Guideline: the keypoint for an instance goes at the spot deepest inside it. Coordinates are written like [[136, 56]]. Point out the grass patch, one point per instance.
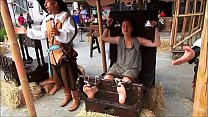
[[2, 34]]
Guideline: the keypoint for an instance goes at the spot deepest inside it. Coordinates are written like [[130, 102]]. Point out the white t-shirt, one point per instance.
[[84, 14], [198, 43]]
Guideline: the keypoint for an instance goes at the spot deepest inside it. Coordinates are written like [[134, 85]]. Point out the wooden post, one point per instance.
[[98, 4], [200, 108], [184, 22], [17, 57], [193, 22], [173, 34]]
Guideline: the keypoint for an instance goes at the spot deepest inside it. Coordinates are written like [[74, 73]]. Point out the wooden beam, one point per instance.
[[101, 32], [200, 108], [184, 23], [194, 20], [199, 24], [186, 38], [188, 15], [17, 57], [174, 24]]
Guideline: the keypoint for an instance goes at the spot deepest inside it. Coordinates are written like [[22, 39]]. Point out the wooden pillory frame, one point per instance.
[[191, 19]]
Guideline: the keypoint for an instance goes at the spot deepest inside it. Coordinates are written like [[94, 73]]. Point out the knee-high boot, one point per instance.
[[67, 97], [76, 101]]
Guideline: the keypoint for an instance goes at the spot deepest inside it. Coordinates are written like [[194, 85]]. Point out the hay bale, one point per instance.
[[4, 49], [10, 94], [13, 97], [147, 113], [154, 100], [165, 45], [35, 90], [83, 113]]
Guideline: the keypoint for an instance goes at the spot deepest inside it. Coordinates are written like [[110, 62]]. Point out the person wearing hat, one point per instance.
[[59, 28]]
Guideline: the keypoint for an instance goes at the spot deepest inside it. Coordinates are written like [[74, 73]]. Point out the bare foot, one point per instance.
[[90, 91], [121, 93]]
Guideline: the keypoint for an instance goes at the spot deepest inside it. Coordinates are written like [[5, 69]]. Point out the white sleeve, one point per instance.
[[198, 43], [67, 31], [37, 34]]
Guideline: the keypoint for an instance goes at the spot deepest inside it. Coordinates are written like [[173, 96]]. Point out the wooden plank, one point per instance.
[[100, 33], [184, 22], [174, 25], [190, 14], [193, 22], [194, 33], [172, 33], [199, 24], [176, 20], [201, 92]]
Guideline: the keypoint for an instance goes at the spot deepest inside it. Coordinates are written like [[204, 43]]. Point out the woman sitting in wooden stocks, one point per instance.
[[129, 61], [59, 27]]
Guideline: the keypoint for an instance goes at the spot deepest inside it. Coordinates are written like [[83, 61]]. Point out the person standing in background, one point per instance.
[[29, 20], [77, 17], [83, 13], [162, 14], [21, 20]]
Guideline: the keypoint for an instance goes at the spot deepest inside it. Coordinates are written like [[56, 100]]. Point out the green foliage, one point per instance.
[[2, 34]]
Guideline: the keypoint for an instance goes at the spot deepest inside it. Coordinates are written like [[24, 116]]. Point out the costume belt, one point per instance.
[[51, 48]]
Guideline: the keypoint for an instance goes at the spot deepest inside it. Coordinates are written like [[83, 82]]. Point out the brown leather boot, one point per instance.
[[75, 102], [67, 98]]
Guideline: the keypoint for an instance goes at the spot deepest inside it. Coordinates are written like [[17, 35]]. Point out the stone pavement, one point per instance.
[[176, 81]]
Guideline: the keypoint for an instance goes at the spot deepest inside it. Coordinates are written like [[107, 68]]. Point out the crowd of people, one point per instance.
[[25, 22]]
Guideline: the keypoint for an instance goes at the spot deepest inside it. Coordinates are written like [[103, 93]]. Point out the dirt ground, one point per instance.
[[176, 82]]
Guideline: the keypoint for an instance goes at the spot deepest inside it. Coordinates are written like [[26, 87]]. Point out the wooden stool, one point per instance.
[[94, 41]]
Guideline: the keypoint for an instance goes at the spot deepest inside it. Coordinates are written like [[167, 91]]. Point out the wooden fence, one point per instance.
[[187, 23]]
